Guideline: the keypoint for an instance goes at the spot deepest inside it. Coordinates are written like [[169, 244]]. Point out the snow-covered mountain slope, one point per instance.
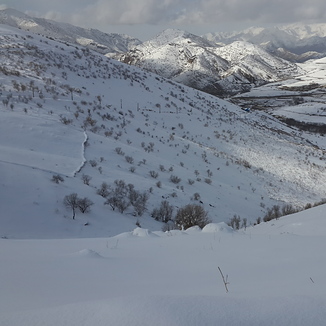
[[298, 42], [218, 70], [79, 118], [91, 38], [275, 275]]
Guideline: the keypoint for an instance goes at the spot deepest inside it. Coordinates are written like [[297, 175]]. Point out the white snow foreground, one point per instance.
[[276, 275]]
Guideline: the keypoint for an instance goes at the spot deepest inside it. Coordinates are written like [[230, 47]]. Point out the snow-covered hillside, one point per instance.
[[275, 275], [215, 69], [96, 40], [72, 119]]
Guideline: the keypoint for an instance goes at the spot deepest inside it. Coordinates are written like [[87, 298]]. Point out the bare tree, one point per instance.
[[104, 190], [118, 197], [86, 179], [84, 204], [164, 213], [71, 201], [139, 203]]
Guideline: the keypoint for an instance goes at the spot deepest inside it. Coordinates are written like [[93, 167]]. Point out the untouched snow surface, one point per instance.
[[36, 153], [276, 274]]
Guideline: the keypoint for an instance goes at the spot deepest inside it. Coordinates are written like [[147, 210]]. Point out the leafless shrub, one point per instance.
[[235, 222], [191, 215], [288, 209], [175, 179], [169, 226], [57, 178], [272, 213], [119, 151], [93, 163], [244, 163], [65, 120], [153, 174], [108, 133], [129, 159], [163, 213], [86, 179], [196, 196], [162, 168], [208, 181]]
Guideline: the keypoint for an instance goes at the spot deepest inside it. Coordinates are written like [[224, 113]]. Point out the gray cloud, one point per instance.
[[176, 13]]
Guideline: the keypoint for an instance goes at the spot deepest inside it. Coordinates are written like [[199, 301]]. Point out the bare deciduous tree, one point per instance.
[[103, 190], [84, 204], [164, 213], [71, 201]]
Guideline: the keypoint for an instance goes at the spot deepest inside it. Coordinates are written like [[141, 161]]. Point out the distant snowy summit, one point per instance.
[[295, 42], [96, 40], [217, 69]]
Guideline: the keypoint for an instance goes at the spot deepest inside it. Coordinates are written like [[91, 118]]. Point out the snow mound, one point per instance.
[[193, 229], [88, 253], [175, 233], [306, 223], [217, 227], [139, 232]]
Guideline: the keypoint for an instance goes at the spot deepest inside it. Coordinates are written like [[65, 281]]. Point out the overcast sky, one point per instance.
[[146, 18]]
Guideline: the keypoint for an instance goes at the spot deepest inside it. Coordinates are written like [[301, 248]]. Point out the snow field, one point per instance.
[[275, 275]]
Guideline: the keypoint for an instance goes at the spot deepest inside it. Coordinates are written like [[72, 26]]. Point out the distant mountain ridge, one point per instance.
[[222, 64], [302, 41], [207, 66], [105, 43]]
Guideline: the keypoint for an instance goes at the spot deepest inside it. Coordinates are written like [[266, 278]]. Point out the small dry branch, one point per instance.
[[225, 280]]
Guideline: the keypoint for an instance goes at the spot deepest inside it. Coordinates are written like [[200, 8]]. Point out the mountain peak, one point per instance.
[[15, 18], [212, 68], [171, 35], [96, 40]]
